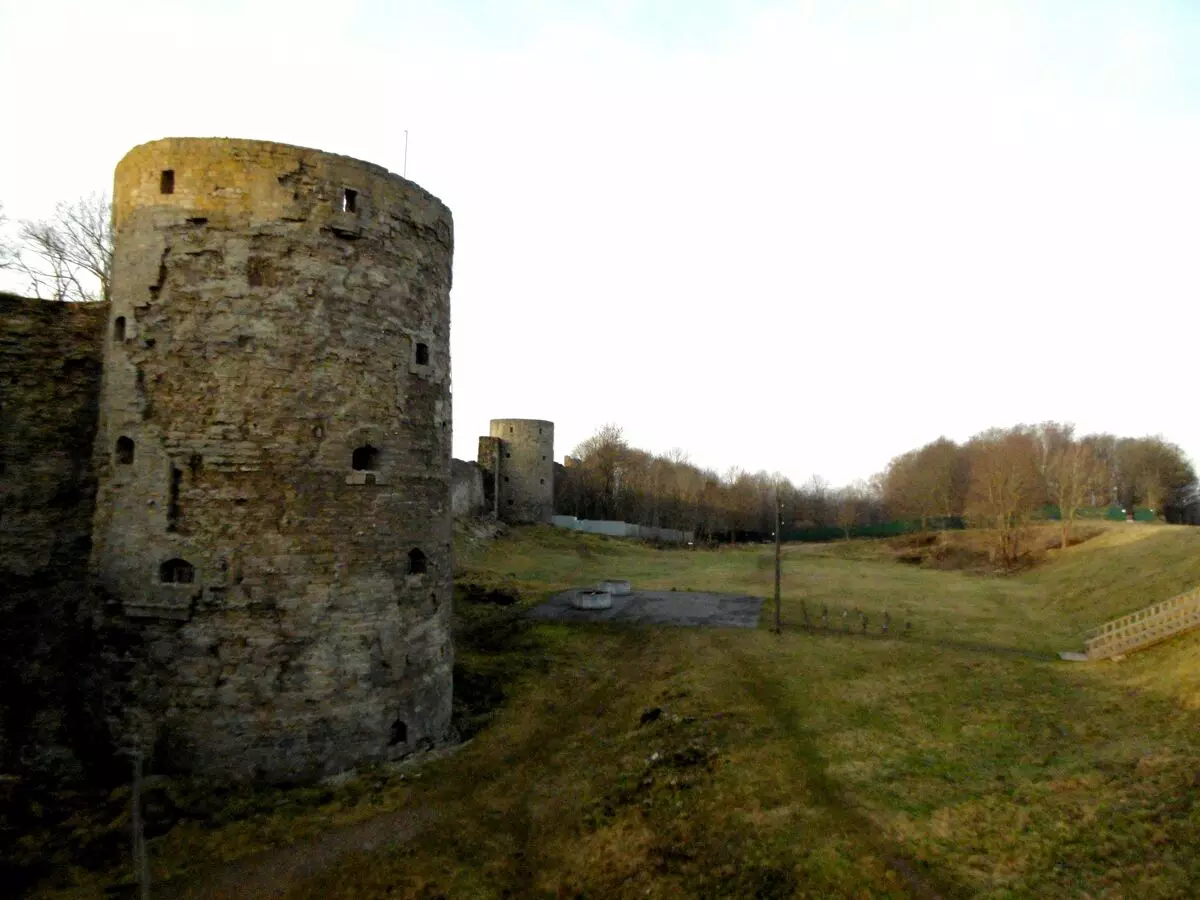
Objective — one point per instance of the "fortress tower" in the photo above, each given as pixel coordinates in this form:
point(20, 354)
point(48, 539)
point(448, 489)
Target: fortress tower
point(273, 519)
point(524, 480)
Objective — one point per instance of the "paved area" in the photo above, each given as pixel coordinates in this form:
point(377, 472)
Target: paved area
point(685, 608)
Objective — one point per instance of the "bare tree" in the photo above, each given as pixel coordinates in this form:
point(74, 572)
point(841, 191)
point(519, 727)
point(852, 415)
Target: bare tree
point(928, 483)
point(1006, 485)
point(1153, 472)
point(602, 458)
point(69, 256)
point(851, 502)
point(1071, 472)
point(816, 493)
point(8, 252)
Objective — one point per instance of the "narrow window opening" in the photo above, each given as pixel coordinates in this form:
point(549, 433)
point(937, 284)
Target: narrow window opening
point(166, 184)
point(365, 459)
point(510, 503)
point(510, 429)
point(125, 451)
point(399, 734)
point(177, 571)
point(196, 464)
point(370, 479)
point(543, 459)
point(541, 481)
point(349, 200)
point(422, 354)
point(173, 499)
point(119, 329)
point(417, 564)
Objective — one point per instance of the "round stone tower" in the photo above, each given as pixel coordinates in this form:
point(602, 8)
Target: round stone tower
point(526, 488)
point(273, 521)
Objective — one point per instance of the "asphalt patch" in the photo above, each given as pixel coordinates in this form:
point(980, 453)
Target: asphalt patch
point(683, 608)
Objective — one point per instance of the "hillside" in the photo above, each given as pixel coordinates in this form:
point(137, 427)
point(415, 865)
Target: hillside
point(962, 760)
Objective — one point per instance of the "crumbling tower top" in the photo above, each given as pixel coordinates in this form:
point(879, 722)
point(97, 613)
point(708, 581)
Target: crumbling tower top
point(262, 181)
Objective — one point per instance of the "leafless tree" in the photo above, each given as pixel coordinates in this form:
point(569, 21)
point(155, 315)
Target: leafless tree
point(1006, 485)
point(1071, 471)
point(927, 483)
point(8, 251)
point(1153, 472)
point(851, 501)
point(69, 256)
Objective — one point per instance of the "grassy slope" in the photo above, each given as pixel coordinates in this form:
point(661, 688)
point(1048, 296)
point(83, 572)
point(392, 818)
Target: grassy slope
point(801, 765)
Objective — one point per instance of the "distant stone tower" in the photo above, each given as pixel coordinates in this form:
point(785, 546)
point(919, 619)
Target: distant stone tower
point(273, 523)
point(524, 483)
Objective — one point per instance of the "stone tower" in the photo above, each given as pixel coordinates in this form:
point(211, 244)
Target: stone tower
point(524, 482)
point(273, 522)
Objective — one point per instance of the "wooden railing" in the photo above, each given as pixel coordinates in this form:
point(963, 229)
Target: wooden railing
point(1145, 627)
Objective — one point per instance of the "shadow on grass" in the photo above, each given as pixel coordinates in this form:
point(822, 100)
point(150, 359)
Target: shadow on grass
point(768, 691)
point(899, 637)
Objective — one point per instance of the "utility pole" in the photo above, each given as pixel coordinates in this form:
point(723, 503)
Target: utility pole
point(778, 541)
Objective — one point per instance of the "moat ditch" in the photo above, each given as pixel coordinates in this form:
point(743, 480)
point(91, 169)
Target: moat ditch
point(496, 645)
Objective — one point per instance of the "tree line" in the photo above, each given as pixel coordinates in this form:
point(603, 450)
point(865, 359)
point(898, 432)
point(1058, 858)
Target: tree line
point(1000, 479)
point(607, 478)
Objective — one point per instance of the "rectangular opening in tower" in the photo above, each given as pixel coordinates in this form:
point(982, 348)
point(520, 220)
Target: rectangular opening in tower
point(422, 354)
point(349, 200)
point(173, 500)
point(166, 183)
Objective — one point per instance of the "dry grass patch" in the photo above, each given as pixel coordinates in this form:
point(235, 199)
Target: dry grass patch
point(627, 762)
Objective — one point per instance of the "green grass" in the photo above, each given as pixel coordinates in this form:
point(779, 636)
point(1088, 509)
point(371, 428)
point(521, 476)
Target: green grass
point(801, 765)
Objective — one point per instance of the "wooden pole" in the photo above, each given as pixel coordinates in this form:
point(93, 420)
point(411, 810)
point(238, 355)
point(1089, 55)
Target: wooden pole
point(778, 540)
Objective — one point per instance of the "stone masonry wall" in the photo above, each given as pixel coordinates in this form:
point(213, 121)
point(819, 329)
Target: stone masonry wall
point(273, 523)
point(488, 457)
point(526, 469)
point(467, 498)
point(50, 358)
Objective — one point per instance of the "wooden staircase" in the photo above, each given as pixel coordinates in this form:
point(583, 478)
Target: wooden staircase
point(1145, 627)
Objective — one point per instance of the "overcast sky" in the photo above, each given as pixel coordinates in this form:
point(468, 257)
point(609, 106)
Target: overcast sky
point(801, 237)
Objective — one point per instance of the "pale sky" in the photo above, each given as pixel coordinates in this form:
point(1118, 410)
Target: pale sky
point(801, 237)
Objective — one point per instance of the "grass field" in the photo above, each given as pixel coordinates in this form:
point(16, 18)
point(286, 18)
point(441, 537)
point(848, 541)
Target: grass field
point(656, 762)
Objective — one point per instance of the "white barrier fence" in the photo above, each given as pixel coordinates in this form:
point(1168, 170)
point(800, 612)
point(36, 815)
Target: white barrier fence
point(624, 529)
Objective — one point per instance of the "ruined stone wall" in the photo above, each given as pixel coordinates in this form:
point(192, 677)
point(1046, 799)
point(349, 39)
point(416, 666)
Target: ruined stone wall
point(50, 358)
point(467, 499)
point(273, 522)
point(491, 451)
point(526, 469)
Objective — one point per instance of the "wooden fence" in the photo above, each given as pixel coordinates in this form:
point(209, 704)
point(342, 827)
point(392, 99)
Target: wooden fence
point(1145, 627)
